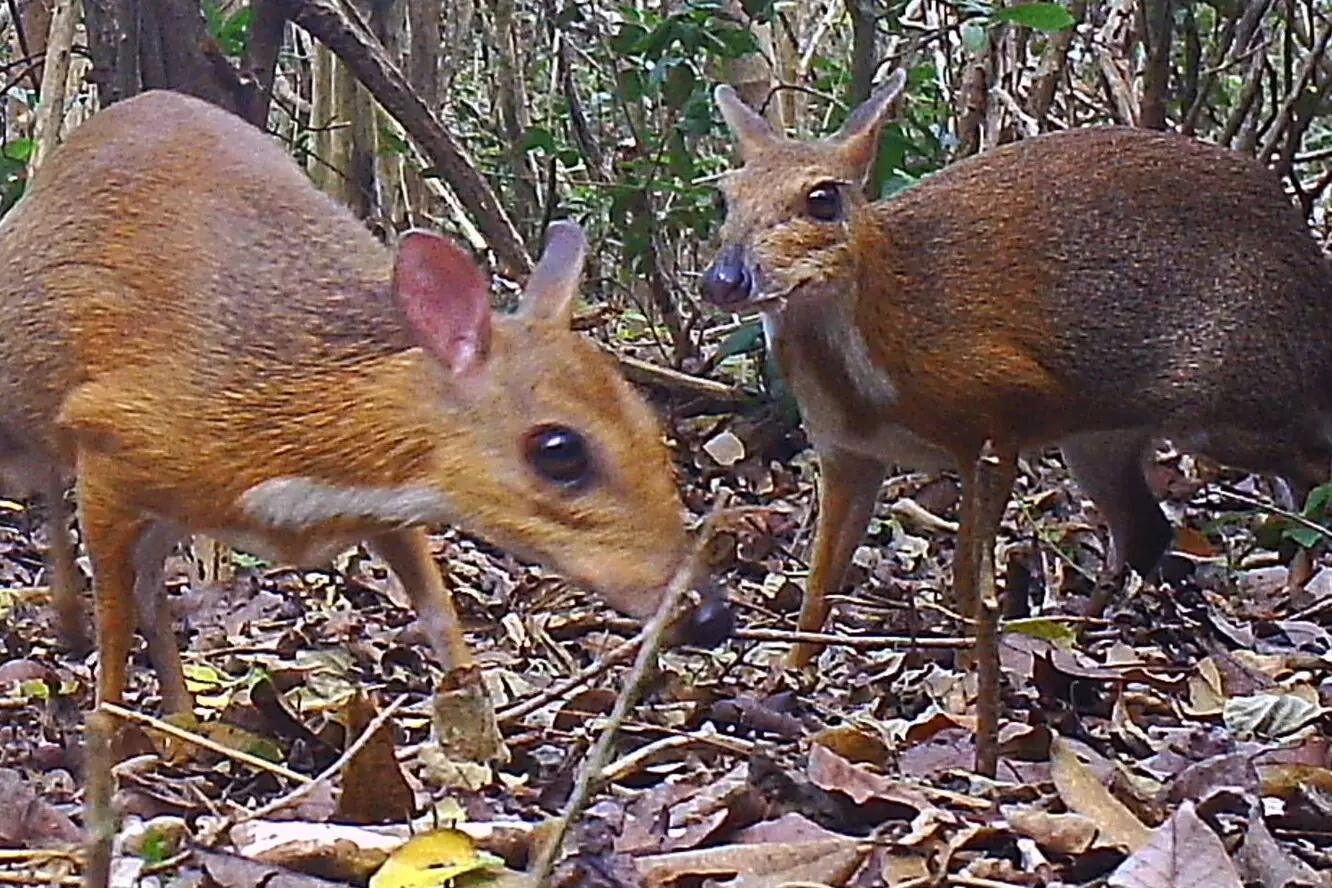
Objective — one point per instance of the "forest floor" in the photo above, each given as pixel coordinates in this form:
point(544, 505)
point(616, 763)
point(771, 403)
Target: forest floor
point(1182, 740)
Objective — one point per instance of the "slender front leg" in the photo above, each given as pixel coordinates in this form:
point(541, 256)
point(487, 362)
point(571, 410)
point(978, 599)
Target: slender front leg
point(407, 552)
point(848, 487)
point(65, 579)
point(464, 717)
point(111, 532)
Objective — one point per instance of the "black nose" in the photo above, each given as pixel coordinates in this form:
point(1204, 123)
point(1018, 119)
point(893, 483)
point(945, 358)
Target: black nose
point(711, 623)
point(727, 281)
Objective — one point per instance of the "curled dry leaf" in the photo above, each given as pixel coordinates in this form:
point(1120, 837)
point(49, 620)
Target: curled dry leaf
point(1183, 852)
point(1061, 833)
point(1264, 862)
point(374, 788)
point(829, 771)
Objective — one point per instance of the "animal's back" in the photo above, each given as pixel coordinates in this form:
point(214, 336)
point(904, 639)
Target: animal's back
point(1146, 274)
point(168, 230)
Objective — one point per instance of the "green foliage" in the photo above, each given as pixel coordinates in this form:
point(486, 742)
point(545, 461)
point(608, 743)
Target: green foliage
point(14, 157)
point(157, 846)
point(232, 32)
point(661, 90)
point(1040, 16)
point(1317, 523)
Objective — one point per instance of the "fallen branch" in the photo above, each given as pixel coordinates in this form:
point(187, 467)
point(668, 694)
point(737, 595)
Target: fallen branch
point(719, 395)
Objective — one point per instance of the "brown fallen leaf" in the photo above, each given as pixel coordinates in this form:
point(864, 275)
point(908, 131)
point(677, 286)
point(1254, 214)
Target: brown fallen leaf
point(1192, 541)
point(1084, 793)
point(374, 789)
point(465, 719)
point(1061, 833)
point(854, 745)
point(825, 862)
point(230, 871)
point(830, 772)
point(1266, 863)
point(1183, 852)
point(28, 821)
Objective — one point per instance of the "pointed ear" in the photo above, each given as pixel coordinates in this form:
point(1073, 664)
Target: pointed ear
point(859, 136)
point(554, 285)
point(751, 131)
point(445, 298)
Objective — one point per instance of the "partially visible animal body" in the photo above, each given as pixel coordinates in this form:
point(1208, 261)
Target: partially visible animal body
point(1096, 289)
point(207, 343)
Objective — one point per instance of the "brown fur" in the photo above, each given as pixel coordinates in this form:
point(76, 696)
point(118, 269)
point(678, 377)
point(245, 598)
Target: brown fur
point(186, 318)
point(1104, 280)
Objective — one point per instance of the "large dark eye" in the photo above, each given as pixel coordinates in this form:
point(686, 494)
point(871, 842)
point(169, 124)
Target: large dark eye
point(559, 454)
point(824, 202)
point(719, 204)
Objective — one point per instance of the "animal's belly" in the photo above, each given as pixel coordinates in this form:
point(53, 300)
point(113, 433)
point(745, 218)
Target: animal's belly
point(281, 548)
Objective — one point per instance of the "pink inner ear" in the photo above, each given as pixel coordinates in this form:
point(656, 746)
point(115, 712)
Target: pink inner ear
point(445, 298)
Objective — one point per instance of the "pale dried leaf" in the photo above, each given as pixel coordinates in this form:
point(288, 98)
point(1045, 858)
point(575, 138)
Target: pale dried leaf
point(1182, 853)
point(1084, 793)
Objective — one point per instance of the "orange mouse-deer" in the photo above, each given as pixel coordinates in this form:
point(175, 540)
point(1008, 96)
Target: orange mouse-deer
point(1095, 289)
point(207, 343)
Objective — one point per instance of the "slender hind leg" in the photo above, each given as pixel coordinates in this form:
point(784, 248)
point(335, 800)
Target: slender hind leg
point(66, 580)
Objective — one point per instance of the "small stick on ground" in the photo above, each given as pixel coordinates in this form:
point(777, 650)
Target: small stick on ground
point(99, 814)
point(560, 688)
point(859, 642)
point(203, 742)
point(332, 770)
point(589, 776)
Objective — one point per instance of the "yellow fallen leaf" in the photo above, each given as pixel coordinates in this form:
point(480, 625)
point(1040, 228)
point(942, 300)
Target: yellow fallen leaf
point(432, 859)
point(1084, 794)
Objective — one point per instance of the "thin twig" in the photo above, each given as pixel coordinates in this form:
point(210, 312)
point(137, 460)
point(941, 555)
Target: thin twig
point(328, 773)
point(651, 640)
point(99, 815)
point(203, 742)
point(859, 642)
point(1276, 510)
point(560, 688)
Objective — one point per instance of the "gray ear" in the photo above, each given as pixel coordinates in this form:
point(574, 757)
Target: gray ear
point(859, 136)
point(752, 132)
point(553, 287)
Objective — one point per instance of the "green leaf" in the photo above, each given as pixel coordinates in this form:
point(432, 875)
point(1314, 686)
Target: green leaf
point(538, 138)
point(732, 43)
point(1306, 537)
point(1058, 633)
point(626, 40)
point(390, 143)
point(1317, 503)
point(758, 10)
point(746, 339)
point(679, 85)
point(18, 149)
point(679, 157)
point(1041, 16)
point(629, 85)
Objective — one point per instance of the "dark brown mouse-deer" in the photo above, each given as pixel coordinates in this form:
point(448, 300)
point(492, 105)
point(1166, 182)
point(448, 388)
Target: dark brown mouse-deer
point(207, 343)
point(1094, 289)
